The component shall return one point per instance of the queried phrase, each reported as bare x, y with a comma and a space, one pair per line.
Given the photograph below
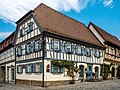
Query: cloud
13, 10
108, 3
3, 35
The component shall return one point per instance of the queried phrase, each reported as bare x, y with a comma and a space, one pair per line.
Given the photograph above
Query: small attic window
30, 26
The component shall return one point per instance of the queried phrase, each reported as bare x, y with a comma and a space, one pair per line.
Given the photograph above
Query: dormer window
30, 27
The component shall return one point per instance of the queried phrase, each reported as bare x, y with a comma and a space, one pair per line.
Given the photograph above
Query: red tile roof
57, 23
7, 42
107, 36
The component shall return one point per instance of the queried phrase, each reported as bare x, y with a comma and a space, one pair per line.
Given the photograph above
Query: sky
104, 13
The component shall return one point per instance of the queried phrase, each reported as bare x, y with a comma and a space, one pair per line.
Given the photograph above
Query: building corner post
43, 55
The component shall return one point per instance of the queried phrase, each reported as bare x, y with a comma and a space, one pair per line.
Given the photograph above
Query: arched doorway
96, 72
81, 67
113, 71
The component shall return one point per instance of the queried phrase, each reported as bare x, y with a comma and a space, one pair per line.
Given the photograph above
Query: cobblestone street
103, 85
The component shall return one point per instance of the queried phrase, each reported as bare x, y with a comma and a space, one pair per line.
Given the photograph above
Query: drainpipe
43, 52
15, 65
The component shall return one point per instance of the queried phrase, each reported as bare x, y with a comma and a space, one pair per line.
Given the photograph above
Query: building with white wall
7, 59
44, 35
112, 51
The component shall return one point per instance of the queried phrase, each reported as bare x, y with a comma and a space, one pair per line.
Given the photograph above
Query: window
106, 49
19, 69
52, 43
87, 52
21, 32
97, 53
38, 67
56, 44
30, 27
32, 47
56, 69
29, 68
78, 49
82, 51
19, 51
68, 47
38, 45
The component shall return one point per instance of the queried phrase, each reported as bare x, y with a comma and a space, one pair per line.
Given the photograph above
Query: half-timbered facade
44, 35
112, 44
7, 59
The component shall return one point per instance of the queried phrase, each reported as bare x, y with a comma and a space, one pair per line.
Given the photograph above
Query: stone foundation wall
39, 83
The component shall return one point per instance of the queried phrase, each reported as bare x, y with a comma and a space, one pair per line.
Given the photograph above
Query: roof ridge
103, 30
76, 21
112, 37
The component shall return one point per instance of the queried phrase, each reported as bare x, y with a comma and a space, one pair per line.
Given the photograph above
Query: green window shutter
52, 43
65, 46
33, 68
25, 49
60, 45
73, 48
62, 69
16, 51
41, 67
20, 50
17, 69
21, 69
40, 44
26, 68
52, 68
33, 46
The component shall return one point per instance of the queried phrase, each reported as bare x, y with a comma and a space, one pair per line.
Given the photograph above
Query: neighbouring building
7, 59
44, 35
112, 51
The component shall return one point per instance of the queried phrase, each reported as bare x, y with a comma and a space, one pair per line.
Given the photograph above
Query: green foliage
106, 70
70, 65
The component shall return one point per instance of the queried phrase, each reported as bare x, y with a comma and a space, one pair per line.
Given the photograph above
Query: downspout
15, 65
43, 55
